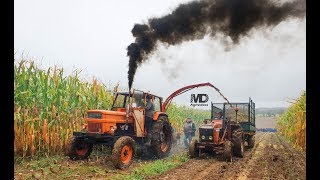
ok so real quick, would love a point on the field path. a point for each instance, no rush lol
(271, 158)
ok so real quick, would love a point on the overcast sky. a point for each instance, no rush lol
(269, 66)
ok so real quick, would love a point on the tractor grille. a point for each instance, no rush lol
(206, 133)
(94, 127)
(95, 115)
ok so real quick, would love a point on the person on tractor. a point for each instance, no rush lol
(189, 130)
(149, 118)
(219, 116)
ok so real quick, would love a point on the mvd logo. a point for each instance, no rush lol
(199, 99)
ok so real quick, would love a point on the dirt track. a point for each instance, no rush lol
(271, 158)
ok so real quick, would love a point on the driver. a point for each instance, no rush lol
(149, 118)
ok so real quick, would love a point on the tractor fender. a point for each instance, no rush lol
(157, 114)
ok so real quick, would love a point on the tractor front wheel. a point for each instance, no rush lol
(193, 149)
(123, 152)
(79, 149)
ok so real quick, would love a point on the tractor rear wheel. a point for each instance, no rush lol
(237, 140)
(251, 141)
(79, 149)
(193, 149)
(227, 151)
(123, 152)
(161, 137)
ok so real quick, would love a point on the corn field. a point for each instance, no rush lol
(178, 114)
(292, 123)
(49, 106)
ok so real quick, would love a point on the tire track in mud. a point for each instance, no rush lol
(278, 161)
(241, 166)
(196, 166)
(256, 151)
(270, 158)
(203, 168)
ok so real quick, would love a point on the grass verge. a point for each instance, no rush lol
(158, 167)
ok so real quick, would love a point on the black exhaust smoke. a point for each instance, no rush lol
(194, 20)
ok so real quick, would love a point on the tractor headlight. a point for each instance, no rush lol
(203, 137)
(210, 137)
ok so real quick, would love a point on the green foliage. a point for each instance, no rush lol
(155, 168)
(177, 115)
(49, 105)
(292, 123)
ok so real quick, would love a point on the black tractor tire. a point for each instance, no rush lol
(161, 142)
(251, 141)
(238, 143)
(78, 149)
(123, 152)
(193, 149)
(227, 151)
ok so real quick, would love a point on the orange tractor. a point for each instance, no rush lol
(123, 128)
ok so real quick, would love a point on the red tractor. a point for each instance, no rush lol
(232, 125)
(123, 128)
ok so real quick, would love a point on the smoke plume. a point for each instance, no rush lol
(194, 20)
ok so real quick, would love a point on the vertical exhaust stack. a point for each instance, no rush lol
(195, 19)
(128, 109)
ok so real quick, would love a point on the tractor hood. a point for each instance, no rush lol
(206, 126)
(118, 116)
(106, 111)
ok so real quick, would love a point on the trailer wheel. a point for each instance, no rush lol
(193, 150)
(161, 137)
(237, 140)
(123, 152)
(227, 151)
(251, 141)
(79, 149)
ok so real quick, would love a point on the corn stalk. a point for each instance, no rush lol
(292, 123)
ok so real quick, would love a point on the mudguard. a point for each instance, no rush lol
(157, 114)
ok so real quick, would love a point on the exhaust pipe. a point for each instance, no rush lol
(127, 112)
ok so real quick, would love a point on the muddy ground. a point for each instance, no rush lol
(271, 158)
(97, 166)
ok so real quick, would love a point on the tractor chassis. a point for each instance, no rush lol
(106, 139)
(96, 138)
(210, 147)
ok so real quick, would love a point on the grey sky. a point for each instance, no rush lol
(269, 65)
